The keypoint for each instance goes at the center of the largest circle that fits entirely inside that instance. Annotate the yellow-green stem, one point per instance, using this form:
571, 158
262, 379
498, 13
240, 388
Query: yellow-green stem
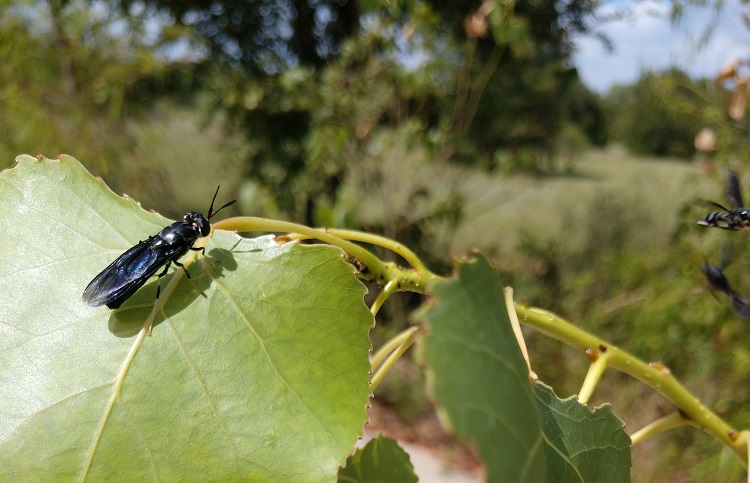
594, 374
383, 368
390, 346
655, 374
381, 241
516, 326
417, 279
252, 223
670, 421
384, 294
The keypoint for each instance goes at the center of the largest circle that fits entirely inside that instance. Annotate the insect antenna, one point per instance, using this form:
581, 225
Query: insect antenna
211, 211
716, 205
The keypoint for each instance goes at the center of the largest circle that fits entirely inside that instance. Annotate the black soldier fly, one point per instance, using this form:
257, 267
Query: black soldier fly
123, 277
735, 219
719, 283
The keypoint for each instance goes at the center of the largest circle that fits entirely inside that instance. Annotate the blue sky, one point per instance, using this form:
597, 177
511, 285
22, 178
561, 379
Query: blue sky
648, 40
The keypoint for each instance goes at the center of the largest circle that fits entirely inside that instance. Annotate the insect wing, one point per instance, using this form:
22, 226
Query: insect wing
123, 277
740, 306
716, 278
734, 194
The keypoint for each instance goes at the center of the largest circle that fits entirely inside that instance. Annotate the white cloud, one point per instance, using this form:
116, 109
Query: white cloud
646, 39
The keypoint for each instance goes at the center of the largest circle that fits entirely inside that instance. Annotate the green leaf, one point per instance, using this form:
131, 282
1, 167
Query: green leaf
257, 368
581, 445
480, 377
381, 460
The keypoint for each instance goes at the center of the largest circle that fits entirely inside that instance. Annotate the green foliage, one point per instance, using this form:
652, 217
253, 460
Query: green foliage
264, 37
481, 381
126, 398
471, 350
311, 120
380, 460
517, 78
257, 368
177, 159
308, 130
410, 197
354, 136
67, 75
571, 142
660, 115
596, 450
649, 297
584, 109
333, 84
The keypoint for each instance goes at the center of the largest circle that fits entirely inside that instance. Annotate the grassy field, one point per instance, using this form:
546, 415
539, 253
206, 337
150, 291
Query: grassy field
605, 185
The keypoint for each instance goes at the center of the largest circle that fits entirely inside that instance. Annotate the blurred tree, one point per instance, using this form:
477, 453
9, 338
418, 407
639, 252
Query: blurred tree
67, 68
585, 109
515, 71
264, 36
78, 75
308, 81
660, 114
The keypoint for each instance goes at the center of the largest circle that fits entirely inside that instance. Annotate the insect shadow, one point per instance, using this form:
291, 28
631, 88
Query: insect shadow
128, 320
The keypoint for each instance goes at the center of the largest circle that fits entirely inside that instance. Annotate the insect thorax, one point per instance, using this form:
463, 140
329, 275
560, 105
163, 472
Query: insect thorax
740, 218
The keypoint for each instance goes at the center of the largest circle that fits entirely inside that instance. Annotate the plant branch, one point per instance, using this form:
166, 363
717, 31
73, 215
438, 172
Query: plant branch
463, 81
670, 421
388, 290
654, 374
390, 346
481, 84
594, 374
252, 223
418, 279
394, 349
381, 241
516, 326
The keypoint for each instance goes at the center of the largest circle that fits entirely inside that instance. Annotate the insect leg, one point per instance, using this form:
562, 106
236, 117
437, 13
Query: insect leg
188, 275
158, 281
201, 249
182, 267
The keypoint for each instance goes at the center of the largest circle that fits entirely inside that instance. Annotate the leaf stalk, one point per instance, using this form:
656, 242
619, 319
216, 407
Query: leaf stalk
391, 351
670, 421
655, 375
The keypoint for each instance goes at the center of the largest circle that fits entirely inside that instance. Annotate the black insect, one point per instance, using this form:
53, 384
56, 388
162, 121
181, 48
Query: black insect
123, 277
719, 283
735, 219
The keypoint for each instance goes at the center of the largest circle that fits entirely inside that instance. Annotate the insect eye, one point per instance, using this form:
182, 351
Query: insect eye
203, 226
198, 222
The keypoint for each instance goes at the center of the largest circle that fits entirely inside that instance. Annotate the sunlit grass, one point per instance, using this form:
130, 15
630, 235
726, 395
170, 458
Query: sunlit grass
502, 207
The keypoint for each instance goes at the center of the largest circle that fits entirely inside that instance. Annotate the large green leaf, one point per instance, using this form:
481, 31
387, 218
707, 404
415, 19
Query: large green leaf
582, 445
257, 368
480, 377
381, 460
